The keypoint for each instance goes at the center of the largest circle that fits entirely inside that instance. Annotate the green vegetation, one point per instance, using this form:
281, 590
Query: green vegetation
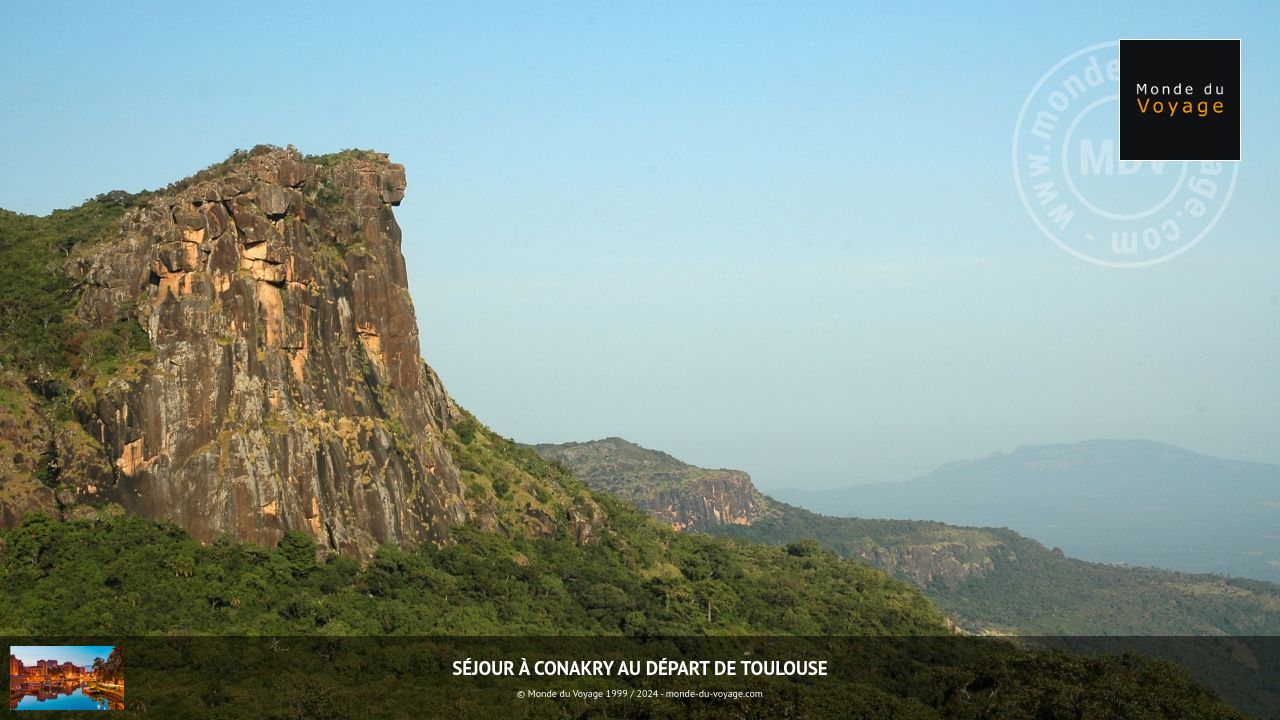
623, 468
38, 333
558, 560
513, 484
1030, 590
236, 158
111, 669
49, 359
1121, 501
988, 580
1038, 591
329, 160
131, 576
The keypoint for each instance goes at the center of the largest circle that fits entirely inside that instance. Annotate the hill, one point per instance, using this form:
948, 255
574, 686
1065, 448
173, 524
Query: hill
678, 494
214, 419
1117, 501
236, 353
989, 580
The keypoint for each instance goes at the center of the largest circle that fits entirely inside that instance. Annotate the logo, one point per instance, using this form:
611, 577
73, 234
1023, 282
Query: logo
1180, 99
1073, 184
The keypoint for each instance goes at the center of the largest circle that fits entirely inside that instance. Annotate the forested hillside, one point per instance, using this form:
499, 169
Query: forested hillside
988, 580
1135, 502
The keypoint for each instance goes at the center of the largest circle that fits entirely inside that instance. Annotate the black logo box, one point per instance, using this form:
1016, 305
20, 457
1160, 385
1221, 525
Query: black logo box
1187, 68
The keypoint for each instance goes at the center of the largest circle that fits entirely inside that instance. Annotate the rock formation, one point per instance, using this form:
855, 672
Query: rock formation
948, 563
281, 386
681, 495
691, 498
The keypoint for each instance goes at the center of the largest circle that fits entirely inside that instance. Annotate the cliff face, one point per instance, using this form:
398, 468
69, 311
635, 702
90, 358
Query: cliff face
691, 498
280, 384
714, 497
948, 564
682, 495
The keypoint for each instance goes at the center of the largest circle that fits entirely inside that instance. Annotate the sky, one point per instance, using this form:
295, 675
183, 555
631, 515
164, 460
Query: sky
80, 655
781, 237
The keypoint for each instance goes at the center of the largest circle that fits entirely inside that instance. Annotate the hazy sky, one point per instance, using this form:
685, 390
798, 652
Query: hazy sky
81, 655
782, 237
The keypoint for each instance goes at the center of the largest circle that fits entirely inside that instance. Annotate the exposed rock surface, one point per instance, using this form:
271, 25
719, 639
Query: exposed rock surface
715, 497
682, 495
947, 563
284, 388
691, 498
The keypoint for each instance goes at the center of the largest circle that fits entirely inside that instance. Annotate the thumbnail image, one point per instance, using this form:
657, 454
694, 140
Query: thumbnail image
66, 677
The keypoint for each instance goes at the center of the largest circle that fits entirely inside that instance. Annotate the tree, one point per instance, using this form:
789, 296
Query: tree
112, 670
715, 595
299, 549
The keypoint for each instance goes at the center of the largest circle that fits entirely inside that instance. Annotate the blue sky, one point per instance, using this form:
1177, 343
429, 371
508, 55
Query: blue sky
81, 655
776, 236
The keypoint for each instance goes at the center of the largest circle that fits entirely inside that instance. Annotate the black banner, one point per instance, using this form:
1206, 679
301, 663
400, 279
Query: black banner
336, 678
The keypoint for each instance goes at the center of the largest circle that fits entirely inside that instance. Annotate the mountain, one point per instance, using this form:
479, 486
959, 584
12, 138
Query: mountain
987, 579
246, 361
190, 375
214, 420
1117, 501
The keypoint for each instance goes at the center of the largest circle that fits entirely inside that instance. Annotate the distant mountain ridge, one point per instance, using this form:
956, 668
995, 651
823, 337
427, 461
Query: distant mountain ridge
987, 579
1135, 502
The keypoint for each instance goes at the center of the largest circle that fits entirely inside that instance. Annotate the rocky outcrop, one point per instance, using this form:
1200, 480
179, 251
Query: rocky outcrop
283, 387
683, 496
691, 498
713, 497
948, 564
